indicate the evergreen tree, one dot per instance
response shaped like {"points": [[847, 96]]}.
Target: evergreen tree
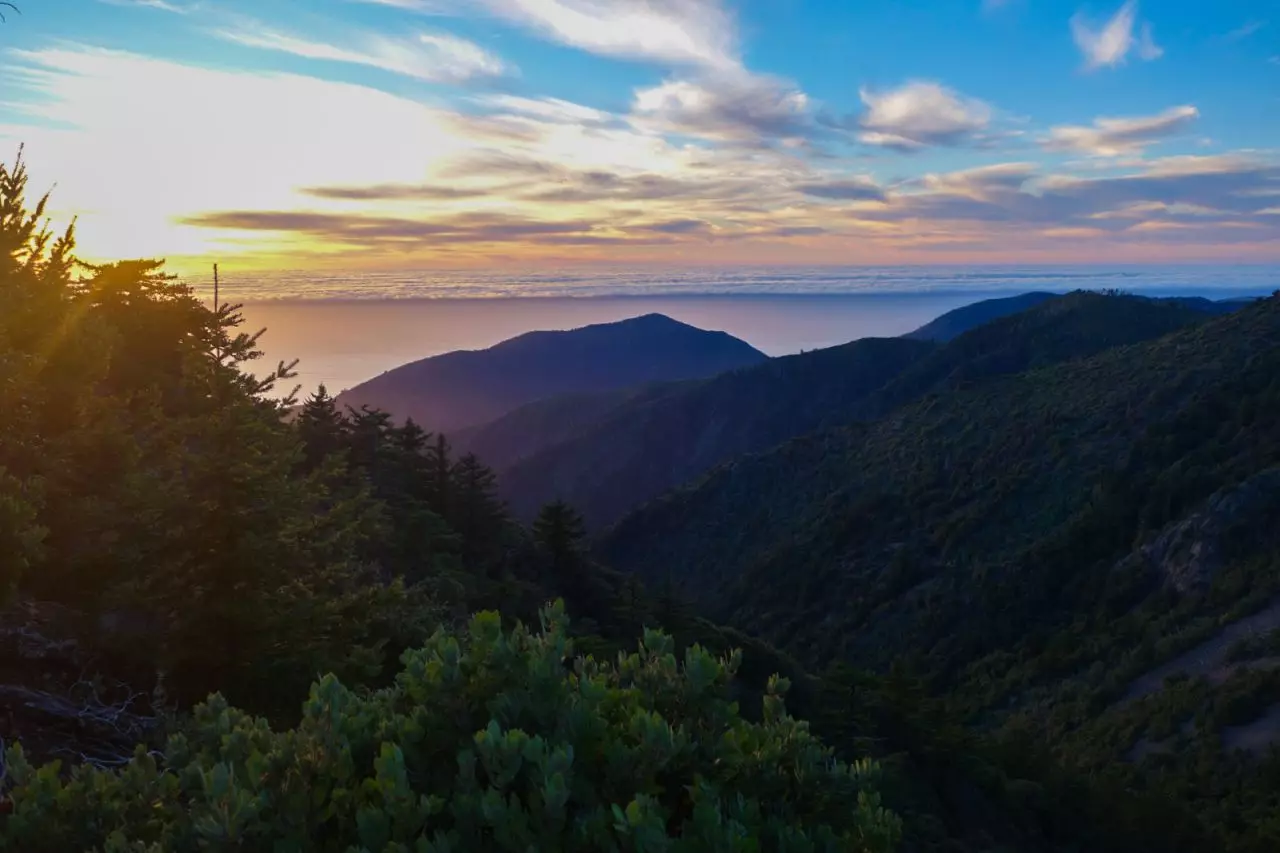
{"points": [[559, 531], [440, 477], [322, 427], [478, 514]]}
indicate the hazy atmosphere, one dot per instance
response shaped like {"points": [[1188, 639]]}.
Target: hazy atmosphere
{"points": [[639, 426]]}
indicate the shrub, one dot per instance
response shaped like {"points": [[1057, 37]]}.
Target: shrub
{"points": [[488, 742]]}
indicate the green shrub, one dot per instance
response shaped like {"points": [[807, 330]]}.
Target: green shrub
{"points": [[488, 742]]}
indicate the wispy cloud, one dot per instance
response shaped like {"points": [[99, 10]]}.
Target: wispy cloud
{"points": [[683, 32], [428, 56], [162, 5], [921, 114], [1113, 137], [1109, 44], [1245, 30]]}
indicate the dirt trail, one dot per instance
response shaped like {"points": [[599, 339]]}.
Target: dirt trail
{"points": [[1209, 659]]}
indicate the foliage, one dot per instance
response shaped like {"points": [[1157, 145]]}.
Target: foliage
{"points": [[151, 486], [488, 742], [1029, 545]]}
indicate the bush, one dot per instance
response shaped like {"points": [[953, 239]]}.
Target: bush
{"points": [[489, 742]]}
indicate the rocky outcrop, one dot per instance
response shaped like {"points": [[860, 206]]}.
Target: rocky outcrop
{"points": [[1189, 553]]}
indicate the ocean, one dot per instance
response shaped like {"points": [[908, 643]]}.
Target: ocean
{"points": [[346, 327]]}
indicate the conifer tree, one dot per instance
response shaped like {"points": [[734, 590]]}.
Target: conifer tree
{"points": [[322, 428], [559, 531], [478, 514]]}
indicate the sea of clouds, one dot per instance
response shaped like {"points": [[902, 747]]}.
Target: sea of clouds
{"points": [[1223, 280]]}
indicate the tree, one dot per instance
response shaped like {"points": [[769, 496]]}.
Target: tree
{"points": [[494, 740], [322, 428], [559, 531], [151, 487], [477, 513]]}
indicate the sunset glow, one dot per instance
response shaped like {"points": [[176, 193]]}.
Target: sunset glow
{"points": [[414, 133]]}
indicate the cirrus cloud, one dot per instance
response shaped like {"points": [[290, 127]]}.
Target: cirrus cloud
{"points": [[684, 32], [432, 57], [1108, 45]]}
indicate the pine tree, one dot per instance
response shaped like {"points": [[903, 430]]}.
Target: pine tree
{"points": [[322, 427], [478, 514], [439, 473], [559, 531]]}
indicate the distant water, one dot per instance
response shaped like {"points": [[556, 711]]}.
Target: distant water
{"points": [[346, 328]]}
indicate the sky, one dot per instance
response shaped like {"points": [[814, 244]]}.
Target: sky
{"points": [[404, 134]]}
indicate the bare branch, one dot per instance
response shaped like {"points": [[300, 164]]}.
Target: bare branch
{"points": [[6, 4]]}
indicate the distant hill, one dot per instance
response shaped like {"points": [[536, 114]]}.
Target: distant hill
{"points": [[957, 322], [961, 320], [656, 439], [461, 389], [608, 456]]}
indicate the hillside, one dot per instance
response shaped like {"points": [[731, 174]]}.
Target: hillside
{"points": [[656, 440], [1034, 545], [467, 388], [653, 441], [960, 320]]}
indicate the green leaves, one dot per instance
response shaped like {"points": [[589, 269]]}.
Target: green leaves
{"points": [[646, 754]]}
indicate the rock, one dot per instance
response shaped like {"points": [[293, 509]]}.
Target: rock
{"points": [[1190, 552]]}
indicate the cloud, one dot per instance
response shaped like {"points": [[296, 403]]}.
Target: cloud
{"points": [[396, 192], [356, 229], [1109, 44], [1217, 196], [1245, 30], [735, 106], [843, 189], [683, 32], [272, 133], [548, 109], [678, 226], [1113, 137], [428, 56], [162, 5], [920, 114]]}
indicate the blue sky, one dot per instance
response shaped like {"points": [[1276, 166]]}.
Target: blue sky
{"points": [[489, 132]]}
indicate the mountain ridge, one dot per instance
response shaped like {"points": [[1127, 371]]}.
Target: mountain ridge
{"points": [[470, 387], [640, 445]]}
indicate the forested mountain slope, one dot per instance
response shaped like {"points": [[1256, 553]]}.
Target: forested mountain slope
{"points": [[467, 388], [960, 320], [657, 439], [1034, 545]]}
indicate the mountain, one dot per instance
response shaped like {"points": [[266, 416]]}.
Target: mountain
{"points": [[461, 389], [657, 439], [1081, 555], [609, 456], [957, 322], [961, 320]]}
